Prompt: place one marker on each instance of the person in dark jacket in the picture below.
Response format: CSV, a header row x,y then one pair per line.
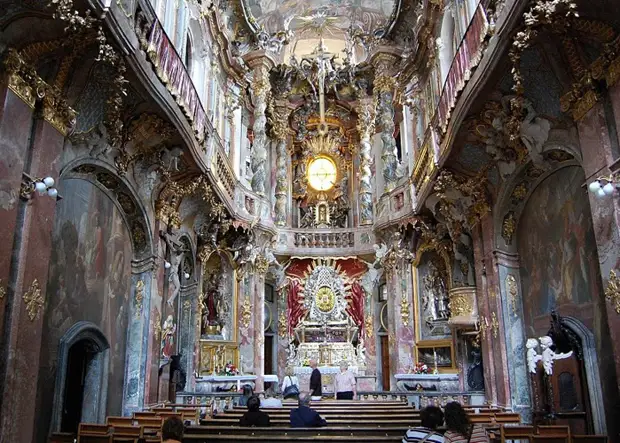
x,y
305,417
316,385
254,416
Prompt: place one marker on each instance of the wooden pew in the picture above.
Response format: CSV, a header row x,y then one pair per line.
x,y
93,433
233,438
295,432
62,437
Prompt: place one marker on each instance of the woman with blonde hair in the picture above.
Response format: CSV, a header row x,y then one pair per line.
x,y
290,384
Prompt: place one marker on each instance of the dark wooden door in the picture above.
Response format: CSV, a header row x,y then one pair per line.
x,y
571,403
268,354
385,363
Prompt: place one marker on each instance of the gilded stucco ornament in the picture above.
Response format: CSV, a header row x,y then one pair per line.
x,y
34,300
261,265
139,297
246,312
555,13
494,325
460,305
612,292
369,326
157,327
513,292
260,90
509,226
2,289
405,310
282,324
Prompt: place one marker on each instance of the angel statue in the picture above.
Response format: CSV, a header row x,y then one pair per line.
x,y
533,357
549,355
380,252
291,358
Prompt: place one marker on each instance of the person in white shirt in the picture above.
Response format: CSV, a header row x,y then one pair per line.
x,y
345,385
269,402
289,381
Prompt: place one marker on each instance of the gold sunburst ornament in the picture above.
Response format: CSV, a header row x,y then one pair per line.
x,y
325,299
322,173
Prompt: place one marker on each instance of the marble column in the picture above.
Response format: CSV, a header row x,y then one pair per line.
x,y
366,113
510,315
280,129
258,314
399,281
134,388
385,86
246,322
261,64
28,266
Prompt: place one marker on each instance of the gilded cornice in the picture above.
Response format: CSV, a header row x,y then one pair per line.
x,y
24,81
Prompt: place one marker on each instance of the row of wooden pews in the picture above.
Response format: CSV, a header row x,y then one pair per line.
x,y
347,421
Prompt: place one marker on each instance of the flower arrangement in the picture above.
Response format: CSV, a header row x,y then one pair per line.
x,y
230,369
420,368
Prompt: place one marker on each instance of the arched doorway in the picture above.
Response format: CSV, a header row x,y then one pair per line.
x,y
81,378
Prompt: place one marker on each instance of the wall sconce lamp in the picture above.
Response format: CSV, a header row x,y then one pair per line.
x,y
605,185
42,186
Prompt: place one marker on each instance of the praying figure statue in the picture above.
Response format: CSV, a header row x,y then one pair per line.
x,y
549,355
533,357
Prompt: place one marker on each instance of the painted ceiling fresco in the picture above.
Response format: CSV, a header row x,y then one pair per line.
x,y
333,17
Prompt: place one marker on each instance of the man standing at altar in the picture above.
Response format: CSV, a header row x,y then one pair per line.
x,y
316,385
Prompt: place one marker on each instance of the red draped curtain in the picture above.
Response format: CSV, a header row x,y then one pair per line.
x,y
295,307
355,307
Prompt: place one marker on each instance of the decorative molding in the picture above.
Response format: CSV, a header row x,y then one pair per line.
x,y
368,326
139,297
509,227
494,324
405,310
612,292
513,292
246,312
34,300
2,290
282,324
157,327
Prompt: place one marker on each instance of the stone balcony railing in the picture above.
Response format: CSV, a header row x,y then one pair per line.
x,y
320,242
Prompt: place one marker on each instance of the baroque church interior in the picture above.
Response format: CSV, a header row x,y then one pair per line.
x,y
199,195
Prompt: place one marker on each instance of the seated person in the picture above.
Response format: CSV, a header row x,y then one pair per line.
x,y
172,430
458,427
269,401
254,416
431,418
247,393
305,417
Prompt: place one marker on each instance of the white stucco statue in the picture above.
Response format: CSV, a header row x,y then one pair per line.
x,y
533,357
549,355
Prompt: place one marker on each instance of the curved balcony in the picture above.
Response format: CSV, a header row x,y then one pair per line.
x,y
326,242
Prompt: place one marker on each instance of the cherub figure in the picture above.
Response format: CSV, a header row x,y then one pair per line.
x,y
549,355
533,357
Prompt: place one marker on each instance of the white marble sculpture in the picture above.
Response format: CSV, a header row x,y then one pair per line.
x,y
549,355
533,357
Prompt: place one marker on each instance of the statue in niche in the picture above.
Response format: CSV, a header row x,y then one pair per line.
x,y
435,298
322,217
300,185
244,247
167,337
475,374
212,320
307,218
176,250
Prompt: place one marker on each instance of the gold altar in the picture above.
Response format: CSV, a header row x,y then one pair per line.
x,y
215,355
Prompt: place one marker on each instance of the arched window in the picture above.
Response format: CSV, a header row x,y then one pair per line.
x,y
187,59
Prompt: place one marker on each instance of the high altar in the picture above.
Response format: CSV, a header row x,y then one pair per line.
x,y
326,318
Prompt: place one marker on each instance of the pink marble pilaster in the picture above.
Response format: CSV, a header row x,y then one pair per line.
x,y
496,384
597,158
400,320
258,308
15,127
25,325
